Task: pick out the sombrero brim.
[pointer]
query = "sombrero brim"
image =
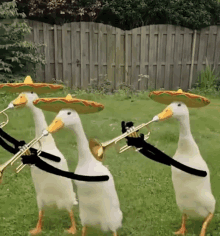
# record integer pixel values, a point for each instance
(167, 97)
(38, 88)
(79, 105)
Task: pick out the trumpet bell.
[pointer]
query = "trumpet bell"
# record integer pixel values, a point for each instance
(96, 149)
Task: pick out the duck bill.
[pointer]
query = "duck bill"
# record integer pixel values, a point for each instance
(56, 125)
(165, 114)
(20, 101)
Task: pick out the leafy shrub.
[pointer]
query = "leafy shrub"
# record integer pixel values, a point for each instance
(207, 78)
(208, 81)
(60, 11)
(17, 56)
(102, 86)
(128, 14)
(125, 14)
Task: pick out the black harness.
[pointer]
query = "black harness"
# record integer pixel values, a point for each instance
(34, 159)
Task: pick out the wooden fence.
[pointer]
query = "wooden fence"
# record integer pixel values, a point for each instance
(78, 52)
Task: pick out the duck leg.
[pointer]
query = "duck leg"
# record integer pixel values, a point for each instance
(115, 234)
(38, 227)
(182, 230)
(72, 229)
(205, 224)
(84, 230)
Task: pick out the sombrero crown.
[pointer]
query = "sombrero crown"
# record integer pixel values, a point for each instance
(79, 105)
(167, 97)
(29, 85)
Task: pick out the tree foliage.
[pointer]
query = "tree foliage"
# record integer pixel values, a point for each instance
(128, 14)
(125, 14)
(16, 54)
(60, 11)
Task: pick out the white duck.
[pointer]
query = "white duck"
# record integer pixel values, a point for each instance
(193, 194)
(50, 189)
(98, 201)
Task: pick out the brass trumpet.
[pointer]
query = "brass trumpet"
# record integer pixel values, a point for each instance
(4, 123)
(98, 149)
(23, 151)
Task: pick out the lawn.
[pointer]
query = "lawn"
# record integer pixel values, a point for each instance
(144, 187)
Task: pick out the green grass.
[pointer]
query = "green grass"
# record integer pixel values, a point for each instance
(144, 187)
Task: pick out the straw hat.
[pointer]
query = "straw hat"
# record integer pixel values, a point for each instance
(29, 85)
(79, 105)
(167, 97)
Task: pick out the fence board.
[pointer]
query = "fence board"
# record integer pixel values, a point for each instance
(55, 53)
(80, 51)
(168, 57)
(36, 40)
(202, 48)
(78, 56)
(217, 50)
(134, 58)
(142, 84)
(83, 79)
(185, 74)
(151, 81)
(176, 66)
(110, 52)
(160, 76)
(73, 55)
(211, 42)
(46, 41)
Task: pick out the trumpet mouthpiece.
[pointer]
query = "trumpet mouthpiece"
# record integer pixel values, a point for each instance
(10, 105)
(45, 132)
(156, 118)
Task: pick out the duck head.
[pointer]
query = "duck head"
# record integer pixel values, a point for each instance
(66, 118)
(24, 99)
(177, 110)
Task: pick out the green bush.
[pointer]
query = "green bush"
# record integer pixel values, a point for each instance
(60, 11)
(17, 56)
(125, 14)
(128, 14)
(208, 81)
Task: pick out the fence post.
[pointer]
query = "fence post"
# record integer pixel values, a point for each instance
(193, 55)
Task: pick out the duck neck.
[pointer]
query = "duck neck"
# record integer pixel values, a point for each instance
(185, 131)
(186, 142)
(84, 153)
(40, 125)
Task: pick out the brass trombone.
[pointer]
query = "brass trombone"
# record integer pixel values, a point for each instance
(98, 149)
(24, 151)
(4, 123)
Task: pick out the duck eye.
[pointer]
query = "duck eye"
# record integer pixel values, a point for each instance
(179, 105)
(68, 113)
(32, 92)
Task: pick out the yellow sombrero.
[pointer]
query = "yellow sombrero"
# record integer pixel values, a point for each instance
(167, 97)
(29, 85)
(79, 105)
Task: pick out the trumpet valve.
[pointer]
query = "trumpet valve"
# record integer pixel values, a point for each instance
(27, 153)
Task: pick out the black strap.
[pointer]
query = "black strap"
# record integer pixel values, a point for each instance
(7, 147)
(8, 137)
(17, 143)
(161, 157)
(71, 175)
(152, 156)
